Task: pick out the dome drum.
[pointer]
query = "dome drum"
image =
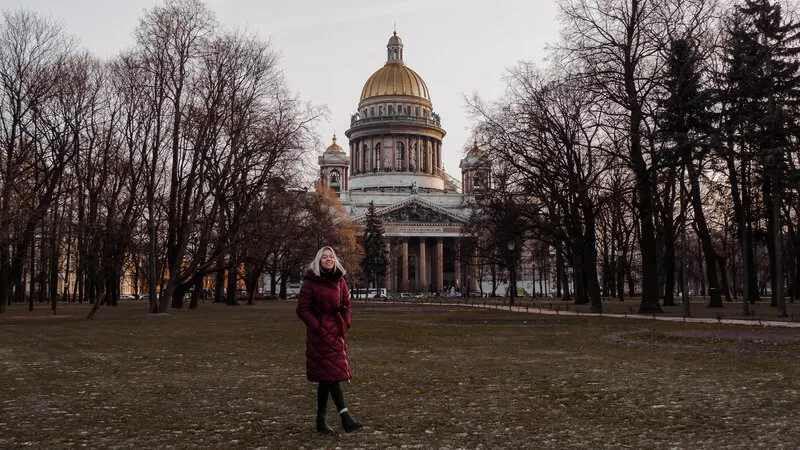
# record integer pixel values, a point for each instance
(379, 180)
(389, 125)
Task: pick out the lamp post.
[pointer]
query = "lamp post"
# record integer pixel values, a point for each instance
(512, 271)
(620, 281)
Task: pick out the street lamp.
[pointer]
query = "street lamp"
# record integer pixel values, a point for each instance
(620, 281)
(512, 269)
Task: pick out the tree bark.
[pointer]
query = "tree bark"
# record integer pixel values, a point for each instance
(714, 297)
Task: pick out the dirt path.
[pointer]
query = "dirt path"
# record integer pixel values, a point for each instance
(546, 311)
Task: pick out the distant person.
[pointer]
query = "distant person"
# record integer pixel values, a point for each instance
(324, 306)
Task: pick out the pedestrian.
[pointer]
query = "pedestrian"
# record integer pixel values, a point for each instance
(324, 306)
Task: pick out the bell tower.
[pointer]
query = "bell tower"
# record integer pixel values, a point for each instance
(334, 168)
(476, 171)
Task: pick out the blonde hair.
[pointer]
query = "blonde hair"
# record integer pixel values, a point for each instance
(314, 266)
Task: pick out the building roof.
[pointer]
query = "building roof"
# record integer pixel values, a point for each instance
(395, 78)
(334, 147)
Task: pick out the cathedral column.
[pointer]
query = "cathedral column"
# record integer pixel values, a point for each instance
(405, 265)
(439, 264)
(439, 155)
(430, 157)
(361, 156)
(420, 153)
(389, 274)
(457, 263)
(402, 138)
(409, 159)
(422, 278)
(435, 157)
(354, 153)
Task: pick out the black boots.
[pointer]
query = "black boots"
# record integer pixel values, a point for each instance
(322, 426)
(348, 423)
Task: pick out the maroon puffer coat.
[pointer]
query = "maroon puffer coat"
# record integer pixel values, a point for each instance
(324, 306)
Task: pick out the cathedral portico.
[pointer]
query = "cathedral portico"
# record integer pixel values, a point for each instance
(424, 264)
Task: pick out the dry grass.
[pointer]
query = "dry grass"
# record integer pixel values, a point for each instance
(424, 377)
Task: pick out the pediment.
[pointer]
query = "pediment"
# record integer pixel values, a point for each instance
(416, 211)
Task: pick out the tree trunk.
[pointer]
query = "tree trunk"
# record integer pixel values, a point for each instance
(197, 291)
(179, 294)
(590, 262)
(251, 283)
(714, 297)
(777, 236)
(219, 281)
(743, 229)
(724, 285)
(559, 273)
(669, 262)
(32, 286)
(230, 297)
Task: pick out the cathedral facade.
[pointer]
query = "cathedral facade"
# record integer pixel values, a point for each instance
(395, 161)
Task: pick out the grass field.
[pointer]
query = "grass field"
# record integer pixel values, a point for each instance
(425, 376)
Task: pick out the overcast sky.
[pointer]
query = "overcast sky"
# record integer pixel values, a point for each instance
(330, 48)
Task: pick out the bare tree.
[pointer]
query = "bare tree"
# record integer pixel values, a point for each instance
(549, 131)
(36, 146)
(618, 42)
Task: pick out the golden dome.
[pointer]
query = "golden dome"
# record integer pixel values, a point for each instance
(395, 40)
(395, 79)
(475, 152)
(334, 147)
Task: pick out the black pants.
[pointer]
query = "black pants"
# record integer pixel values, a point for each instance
(335, 391)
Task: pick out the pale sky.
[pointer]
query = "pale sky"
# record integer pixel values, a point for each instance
(330, 48)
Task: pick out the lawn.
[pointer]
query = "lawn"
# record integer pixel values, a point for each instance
(424, 377)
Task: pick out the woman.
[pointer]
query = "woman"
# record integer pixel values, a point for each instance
(324, 306)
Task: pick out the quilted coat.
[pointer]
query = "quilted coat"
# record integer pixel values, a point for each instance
(324, 306)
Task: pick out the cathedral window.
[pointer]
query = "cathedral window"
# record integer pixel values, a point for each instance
(401, 150)
(335, 180)
(478, 181)
(416, 112)
(380, 110)
(378, 158)
(366, 158)
(426, 151)
(408, 110)
(391, 110)
(372, 111)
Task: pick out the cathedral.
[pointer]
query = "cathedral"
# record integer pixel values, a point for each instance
(395, 160)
